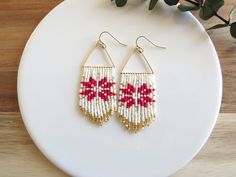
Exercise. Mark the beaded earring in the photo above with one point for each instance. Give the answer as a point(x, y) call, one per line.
point(97, 94)
point(137, 103)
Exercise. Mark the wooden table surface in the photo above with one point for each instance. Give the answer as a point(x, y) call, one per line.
point(20, 157)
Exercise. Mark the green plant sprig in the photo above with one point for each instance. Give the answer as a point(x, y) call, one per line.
point(207, 9)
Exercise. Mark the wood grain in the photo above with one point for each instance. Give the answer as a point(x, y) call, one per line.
point(18, 154)
point(218, 157)
point(17, 21)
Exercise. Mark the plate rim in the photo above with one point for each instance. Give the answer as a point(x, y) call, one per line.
point(61, 167)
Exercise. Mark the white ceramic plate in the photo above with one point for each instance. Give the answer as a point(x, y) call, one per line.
point(189, 88)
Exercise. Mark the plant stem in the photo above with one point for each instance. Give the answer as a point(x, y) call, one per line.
point(218, 16)
point(221, 18)
point(192, 2)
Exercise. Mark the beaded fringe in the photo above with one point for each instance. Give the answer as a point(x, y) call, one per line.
point(97, 98)
point(136, 105)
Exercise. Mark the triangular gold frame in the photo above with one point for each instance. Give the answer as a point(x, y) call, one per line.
point(140, 52)
point(103, 46)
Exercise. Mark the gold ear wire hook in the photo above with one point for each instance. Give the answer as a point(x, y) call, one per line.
point(106, 32)
point(140, 48)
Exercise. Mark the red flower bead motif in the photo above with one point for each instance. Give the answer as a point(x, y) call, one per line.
point(142, 98)
point(100, 88)
point(128, 95)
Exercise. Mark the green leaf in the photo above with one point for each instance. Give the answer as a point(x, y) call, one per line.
point(120, 3)
point(171, 2)
point(231, 13)
point(185, 8)
point(217, 26)
point(233, 29)
point(210, 7)
point(152, 4)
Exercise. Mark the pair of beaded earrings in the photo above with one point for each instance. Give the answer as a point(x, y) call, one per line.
point(136, 103)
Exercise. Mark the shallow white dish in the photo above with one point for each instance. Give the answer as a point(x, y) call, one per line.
point(189, 89)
